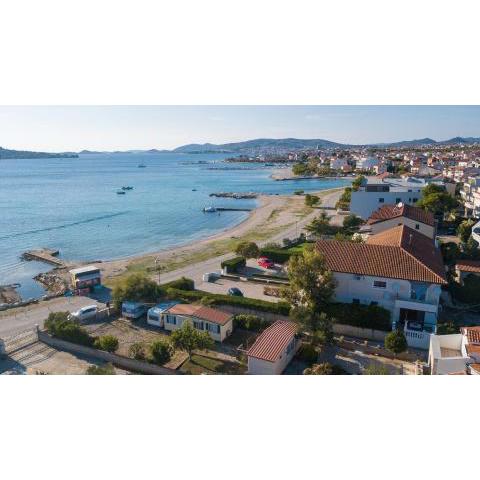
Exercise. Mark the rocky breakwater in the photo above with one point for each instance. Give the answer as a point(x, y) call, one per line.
point(236, 195)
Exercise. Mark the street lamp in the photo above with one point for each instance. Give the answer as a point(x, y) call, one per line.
point(158, 268)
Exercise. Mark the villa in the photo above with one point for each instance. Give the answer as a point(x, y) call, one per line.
point(389, 216)
point(398, 269)
point(455, 354)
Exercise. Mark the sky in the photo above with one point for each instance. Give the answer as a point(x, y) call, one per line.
point(74, 128)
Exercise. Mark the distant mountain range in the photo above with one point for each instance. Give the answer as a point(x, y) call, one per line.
point(6, 154)
point(249, 147)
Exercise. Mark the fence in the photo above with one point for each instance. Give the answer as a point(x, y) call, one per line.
point(118, 360)
point(367, 333)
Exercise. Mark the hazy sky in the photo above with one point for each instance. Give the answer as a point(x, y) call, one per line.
point(139, 127)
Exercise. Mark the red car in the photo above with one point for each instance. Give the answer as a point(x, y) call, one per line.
point(265, 262)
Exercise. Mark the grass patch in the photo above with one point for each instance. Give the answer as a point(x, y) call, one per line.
point(199, 364)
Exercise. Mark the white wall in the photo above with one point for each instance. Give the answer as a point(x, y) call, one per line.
point(424, 229)
point(364, 203)
point(262, 367)
point(225, 330)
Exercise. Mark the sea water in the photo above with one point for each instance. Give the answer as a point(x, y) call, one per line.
point(71, 205)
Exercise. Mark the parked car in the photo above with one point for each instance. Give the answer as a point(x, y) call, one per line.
point(85, 313)
point(235, 292)
point(211, 277)
point(266, 262)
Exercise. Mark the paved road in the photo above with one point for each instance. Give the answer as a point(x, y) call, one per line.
point(19, 319)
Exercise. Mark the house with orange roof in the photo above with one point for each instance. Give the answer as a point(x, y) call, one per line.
point(218, 324)
point(273, 349)
point(389, 216)
point(457, 353)
point(398, 269)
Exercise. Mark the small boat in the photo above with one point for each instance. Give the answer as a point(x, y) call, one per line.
point(194, 189)
point(120, 192)
point(127, 188)
point(209, 209)
point(142, 165)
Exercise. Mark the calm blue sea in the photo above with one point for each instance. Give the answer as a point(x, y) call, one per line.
point(72, 205)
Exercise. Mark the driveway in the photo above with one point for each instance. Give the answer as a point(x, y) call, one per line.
point(19, 319)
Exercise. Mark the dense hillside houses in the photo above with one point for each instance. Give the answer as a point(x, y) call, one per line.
point(399, 269)
point(389, 216)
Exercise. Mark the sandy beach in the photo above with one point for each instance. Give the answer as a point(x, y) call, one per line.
point(272, 220)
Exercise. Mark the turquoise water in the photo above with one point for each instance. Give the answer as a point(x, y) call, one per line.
point(71, 205)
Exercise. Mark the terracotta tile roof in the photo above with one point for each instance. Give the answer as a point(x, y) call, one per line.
point(468, 266)
point(398, 252)
point(204, 313)
point(472, 333)
point(213, 315)
point(387, 212)
point(273, 341)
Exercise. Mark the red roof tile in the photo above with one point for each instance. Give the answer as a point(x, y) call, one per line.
point(273, 341)
point(387, 212)
point(204, 313)
point(398, 252)
point(468, 265)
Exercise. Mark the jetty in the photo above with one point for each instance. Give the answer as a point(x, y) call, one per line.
point(46, 255)
point(225, 209)
point(235, 195)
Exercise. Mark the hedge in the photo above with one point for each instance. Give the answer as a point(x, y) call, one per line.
point(276, 254)
point(280, 308)
point(233, 264)
point(181, 283)
point(362, 316)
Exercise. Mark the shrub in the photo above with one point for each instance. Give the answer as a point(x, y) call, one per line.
point(108, 343)
point(182, 284)
point(298, 192)
point(376, 369)
point(362, 316)
point(447, 328)
point(311, 200)
point(101, 370)
point(396, 342)
point(188, 339)
point(319, 369)
point(277, 255)
point(250, 322)
point(137, 351)
point(280, 308)
point(161, 351)
point(58, 325)
point(307, 353)
point(247, 250)
point(234, 264)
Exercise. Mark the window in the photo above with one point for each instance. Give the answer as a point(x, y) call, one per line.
point(381, 200)
point(415, 199)
point(379, 284)
point(355, 300)
point(398, 200)
point(417, 226)
point(153, 317)
point(198, 325)
point(171, 319)
point(357, 277)
point(212, 328)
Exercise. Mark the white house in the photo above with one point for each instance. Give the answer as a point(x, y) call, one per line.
point(337, 163)
point(398, 269)
point(390, 216)
point(218, 324)
point(378, 191)
point(457, 353)
point(367, 163)
point(470, 193)
point(273, 349)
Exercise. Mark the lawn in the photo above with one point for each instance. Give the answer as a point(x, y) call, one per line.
point(299, 248)
point(199, 364)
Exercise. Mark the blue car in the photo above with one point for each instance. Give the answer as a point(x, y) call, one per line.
point(235, 292)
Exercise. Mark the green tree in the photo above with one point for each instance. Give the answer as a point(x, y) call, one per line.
point(161, 351)
point(357, 183)
point(396, 342)
point(437, 200)
point(464, 230)
point(300, 169)
point(319, 369)
point(108, 343)
point(137, 287)
point(59, 325)
point(107, 369)
point(311, 200)
point(188, 339)
point(450, 252)
point(344, 201)
point(247, 250)
point(319, 225)
point(351, 223)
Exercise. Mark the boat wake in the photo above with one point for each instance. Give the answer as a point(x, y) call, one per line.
point(65, 225)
